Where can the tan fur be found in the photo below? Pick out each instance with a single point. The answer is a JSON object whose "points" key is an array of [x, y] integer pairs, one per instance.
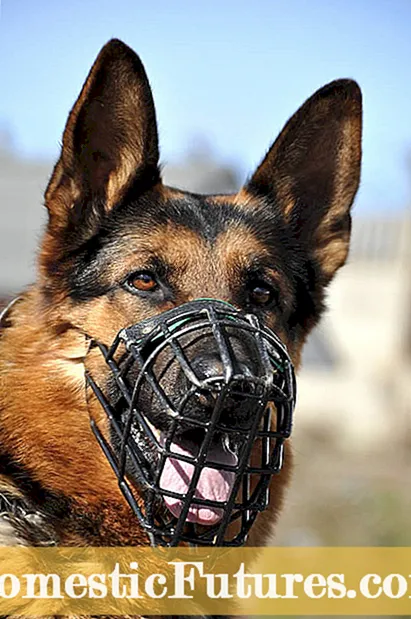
{"points": [[52, 436], [334, 255]]}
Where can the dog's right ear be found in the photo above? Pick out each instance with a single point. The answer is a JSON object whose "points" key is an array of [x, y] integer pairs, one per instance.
{"points": [[110, 140]]}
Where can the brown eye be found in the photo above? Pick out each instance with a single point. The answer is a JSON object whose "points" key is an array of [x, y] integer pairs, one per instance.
{"points": [[143, 281], [261, 294]]}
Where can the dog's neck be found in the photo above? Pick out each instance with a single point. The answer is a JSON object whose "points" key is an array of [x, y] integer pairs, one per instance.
{"points": [[42, 393]]}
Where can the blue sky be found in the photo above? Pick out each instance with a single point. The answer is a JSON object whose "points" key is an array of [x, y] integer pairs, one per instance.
{"points": [[230, 70]]}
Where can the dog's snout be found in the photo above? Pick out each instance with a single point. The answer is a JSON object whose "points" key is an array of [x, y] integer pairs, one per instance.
{"points": [[210, 366], [238, 404], [245, 371]]}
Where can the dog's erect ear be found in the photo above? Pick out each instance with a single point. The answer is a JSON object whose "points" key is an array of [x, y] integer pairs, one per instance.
{"points": [[110, 139], [312, 172]]}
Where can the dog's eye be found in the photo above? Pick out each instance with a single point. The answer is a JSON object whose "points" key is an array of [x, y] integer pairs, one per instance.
{"points": [[261, 294], [142, 281]]}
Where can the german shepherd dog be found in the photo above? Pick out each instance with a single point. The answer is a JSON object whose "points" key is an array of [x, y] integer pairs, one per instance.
{"points": [[119, 248]]}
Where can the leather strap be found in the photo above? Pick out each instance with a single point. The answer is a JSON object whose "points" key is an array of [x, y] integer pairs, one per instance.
{"points": [[4, 315]]}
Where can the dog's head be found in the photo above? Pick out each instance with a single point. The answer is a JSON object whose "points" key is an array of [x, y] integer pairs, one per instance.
{"points": [[121, 247]]}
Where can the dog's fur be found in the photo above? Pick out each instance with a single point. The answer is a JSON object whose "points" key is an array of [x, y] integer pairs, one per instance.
{"points": [[109, 215]]}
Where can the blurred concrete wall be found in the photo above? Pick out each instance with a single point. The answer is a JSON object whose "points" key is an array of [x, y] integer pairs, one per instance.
{"points": [[22, 184]]}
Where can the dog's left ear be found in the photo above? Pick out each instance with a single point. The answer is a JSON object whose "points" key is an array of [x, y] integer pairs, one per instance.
{"points": [[312, 172], [110, 140]]}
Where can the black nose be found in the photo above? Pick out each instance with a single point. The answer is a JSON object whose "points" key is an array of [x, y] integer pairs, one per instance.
{"points": [[239, 404]]}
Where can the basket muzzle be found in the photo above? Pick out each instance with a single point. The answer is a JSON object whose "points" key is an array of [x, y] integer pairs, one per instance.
{"points": [[199, 401]]}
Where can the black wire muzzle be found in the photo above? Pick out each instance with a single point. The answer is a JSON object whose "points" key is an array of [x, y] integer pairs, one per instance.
{"points": [[145, 450]]}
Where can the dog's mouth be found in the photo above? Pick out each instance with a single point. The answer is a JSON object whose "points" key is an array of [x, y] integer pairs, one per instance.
{"points": [[215, 482], [175, 464]]}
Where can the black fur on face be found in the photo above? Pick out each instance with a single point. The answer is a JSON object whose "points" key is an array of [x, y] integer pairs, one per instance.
{"points": [[84, 272]]}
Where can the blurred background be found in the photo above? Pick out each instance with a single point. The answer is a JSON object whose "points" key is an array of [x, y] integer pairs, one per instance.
{"points": [[226, 76]]}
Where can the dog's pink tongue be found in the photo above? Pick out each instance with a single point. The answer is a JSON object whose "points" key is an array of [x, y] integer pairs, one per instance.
{"points": [[212, 484]]}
